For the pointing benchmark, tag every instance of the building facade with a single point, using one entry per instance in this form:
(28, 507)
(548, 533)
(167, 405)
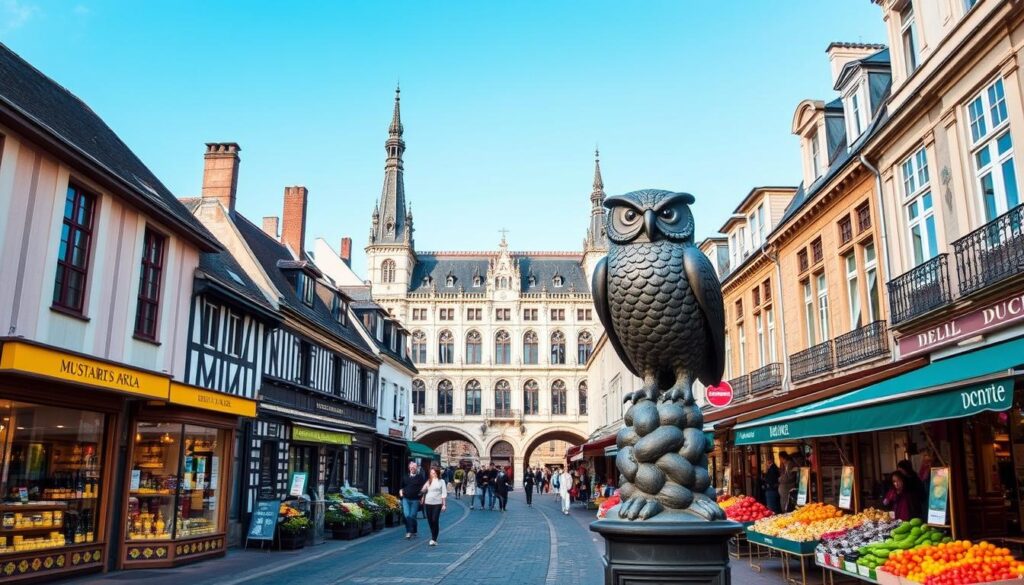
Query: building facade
(500, 338)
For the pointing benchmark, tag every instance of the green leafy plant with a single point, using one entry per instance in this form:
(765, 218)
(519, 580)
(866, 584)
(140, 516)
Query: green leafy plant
(295, 525)
(339, 516)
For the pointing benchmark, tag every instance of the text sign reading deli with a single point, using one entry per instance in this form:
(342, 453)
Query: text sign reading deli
(995, 316)
(43, 361)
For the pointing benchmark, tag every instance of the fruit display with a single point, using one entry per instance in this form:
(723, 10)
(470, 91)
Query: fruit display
(954, 562)
(806, 524)
(846, 542)
(724, 502)
(746, 509)
(906, 536)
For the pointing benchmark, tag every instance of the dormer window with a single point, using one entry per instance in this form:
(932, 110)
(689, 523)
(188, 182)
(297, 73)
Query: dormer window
(816, 166)
(908, 35)
(450, 281)
(426, 281)
(339, 309)
(533, 280)
(477, 281)
(557, 281)
(308, 286)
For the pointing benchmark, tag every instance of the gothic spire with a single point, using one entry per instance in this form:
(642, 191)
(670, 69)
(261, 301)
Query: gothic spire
(596, 237)
(598, 181)
(394, 220)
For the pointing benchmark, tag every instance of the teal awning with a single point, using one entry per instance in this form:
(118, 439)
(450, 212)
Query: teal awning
(421, 450)
(955, 387)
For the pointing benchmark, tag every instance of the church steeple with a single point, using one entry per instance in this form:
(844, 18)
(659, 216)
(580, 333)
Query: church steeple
(392, 221)
(596, 238)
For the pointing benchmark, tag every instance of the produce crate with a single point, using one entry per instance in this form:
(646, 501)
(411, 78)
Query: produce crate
(884, 578)
(783, 544)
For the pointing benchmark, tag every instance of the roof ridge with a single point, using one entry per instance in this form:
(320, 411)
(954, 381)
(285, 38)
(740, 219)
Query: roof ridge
(50, 79)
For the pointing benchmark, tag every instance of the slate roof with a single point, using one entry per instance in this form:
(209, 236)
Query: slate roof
(543, 268)
(54, 110)
(268, 252)
(360, 308)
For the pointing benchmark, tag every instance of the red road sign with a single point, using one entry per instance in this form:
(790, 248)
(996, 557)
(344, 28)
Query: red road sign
(720, 395)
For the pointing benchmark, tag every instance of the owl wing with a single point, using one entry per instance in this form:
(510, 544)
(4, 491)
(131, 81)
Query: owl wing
(599, 286)
(706, 287)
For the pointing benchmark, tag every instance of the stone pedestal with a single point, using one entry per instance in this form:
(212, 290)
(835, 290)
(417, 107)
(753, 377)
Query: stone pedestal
(669, 549)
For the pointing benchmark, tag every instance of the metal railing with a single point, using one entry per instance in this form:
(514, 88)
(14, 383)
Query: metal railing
(920, 290)
(863, 343)
(813, 361)
(768, 378)
(991, 253)
(503, 413)
(740, 387)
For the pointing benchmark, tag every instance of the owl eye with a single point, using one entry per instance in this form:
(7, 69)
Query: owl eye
(669, 215)
(630, 215)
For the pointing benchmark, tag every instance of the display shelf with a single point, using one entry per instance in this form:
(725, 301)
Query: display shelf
(783, 544)
(31, 529)
(151, 494)
(853, 575)
(41, 505)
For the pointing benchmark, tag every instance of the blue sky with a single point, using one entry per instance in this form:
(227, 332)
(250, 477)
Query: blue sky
(502, 102)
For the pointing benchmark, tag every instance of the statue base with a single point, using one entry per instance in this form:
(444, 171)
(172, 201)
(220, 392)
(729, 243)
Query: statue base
(669, 549)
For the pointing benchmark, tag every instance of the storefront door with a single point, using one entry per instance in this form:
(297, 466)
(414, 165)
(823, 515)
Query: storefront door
(304, 458)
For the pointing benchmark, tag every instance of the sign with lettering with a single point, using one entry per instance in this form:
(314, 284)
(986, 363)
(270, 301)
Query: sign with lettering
(994, 316)
(208, 400)
(397, 433)
(298, 483)
(26, 358)
(311, 435)
(263, 522)
(720, 395)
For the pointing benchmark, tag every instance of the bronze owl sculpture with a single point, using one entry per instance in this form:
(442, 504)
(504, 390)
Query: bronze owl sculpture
(660, 302)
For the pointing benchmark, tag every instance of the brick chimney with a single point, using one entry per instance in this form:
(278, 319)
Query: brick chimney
(220, 172)
(346, 251)
(270, 225)
(293, 221)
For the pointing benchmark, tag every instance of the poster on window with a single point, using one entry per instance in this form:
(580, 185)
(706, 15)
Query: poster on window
(938, 496)
(803, 486)
(846, 488)
(298, 484)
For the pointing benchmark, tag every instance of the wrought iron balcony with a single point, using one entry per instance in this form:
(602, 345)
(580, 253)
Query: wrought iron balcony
(503, 414)
(920, 290)
(991, 253)
(740, 388)
(861, 344)
(813, 361)
(766, 379)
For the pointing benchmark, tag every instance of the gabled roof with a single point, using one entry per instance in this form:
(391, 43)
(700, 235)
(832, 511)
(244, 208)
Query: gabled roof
(360, 308)
(44, 107)
(873, 62)
(268, 252)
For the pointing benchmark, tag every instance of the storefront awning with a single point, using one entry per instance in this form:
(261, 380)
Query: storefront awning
(597, 446)
(955, 387)
(421, 450)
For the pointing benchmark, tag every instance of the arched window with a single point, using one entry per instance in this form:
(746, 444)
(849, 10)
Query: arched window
(445, 397)
(502, 282)
(419, 347)
(557, 281)
(450, 281)
(583, 397)
(558, 398)
(531, 397)
(387, 271)
(557, 348)
(502, 399)
(473, 398)
(530, 348)
(477, 281)
(502, 348)
(419, 396)
(584, 347)
(473, 347)
(532, 280)
(445, 347)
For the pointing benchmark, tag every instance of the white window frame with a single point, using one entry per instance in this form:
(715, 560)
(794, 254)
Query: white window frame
(743, 351)
(816, 166)
(728, 358)
(989, 126)
(855, 104)
(908, 32)
(853, 290)
(770, 318)
(759, 328)
(919, 207)
(871, 283)
(821, 284)
(809, 330)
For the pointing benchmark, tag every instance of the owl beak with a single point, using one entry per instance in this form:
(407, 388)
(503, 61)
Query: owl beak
(650, 225)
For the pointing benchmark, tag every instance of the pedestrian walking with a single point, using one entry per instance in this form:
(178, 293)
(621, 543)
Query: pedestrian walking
(502, 485)
(412, 485)
(538, 479)
(563, 481)
(529, 480)
(771, 487)
(435, 498)
(471, 486)
(486, 487)
(459, 476)
(787, 480)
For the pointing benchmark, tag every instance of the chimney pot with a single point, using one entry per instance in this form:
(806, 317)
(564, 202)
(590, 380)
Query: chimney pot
(293, 220)
(346, 251)
(220, 173)
(270, 225)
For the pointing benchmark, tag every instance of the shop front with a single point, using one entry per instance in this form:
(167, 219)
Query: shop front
(393, 455)
(60, 413)
(178, 483)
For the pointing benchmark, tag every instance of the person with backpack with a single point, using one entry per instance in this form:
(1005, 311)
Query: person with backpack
(459, 475)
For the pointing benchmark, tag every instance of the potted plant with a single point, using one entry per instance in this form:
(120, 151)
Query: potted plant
(392, 509)
(292, 532)
(374, 512)
(342, 523)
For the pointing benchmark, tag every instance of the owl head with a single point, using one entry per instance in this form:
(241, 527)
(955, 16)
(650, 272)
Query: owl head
(649, 215)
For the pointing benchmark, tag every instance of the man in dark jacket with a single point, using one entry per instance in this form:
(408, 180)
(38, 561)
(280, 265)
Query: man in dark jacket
(485, 483)
(412, 485)
(501, 488)
(529, 479)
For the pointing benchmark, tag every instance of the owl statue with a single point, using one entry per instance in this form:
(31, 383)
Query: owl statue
(660, 302)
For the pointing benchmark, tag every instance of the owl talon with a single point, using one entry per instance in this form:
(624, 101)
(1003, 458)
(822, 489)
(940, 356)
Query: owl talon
(706, 508)
(631, 509)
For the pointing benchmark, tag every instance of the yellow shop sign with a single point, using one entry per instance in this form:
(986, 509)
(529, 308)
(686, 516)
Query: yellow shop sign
(311, 435)
(208, 400)
(27, 358)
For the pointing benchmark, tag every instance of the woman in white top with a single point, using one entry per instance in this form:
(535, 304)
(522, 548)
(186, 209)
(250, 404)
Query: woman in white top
(471, 486)
(435, 494)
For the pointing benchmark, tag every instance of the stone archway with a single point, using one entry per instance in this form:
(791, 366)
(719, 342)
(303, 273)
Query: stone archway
(552, 434)
(438, 437)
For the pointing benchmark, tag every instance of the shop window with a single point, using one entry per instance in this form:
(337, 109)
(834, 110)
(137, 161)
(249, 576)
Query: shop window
(53, 470)
(175, 486)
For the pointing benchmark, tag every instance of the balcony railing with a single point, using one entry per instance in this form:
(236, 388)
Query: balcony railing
(504, 414)
(740, 387)
(766, 379)
(861, 344)
(813, 361)
(991, 253)
(920, 290)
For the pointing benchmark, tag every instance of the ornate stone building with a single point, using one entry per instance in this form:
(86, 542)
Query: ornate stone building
(500, 338)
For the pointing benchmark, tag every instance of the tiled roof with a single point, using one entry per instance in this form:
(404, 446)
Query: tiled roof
(268, 252)
(542, 267)
(54, 110)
